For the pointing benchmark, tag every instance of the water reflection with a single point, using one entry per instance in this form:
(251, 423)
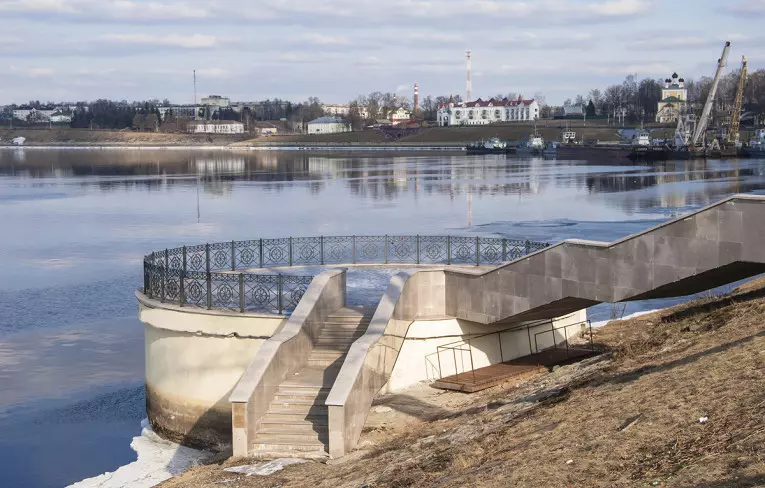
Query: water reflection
(385, 178)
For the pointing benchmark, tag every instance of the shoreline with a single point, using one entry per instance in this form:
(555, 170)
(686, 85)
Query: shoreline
(285, 147)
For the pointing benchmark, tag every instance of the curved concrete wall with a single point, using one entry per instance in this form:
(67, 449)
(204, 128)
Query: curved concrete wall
(193, 360)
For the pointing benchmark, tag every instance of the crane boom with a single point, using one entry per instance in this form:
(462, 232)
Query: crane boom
(735, 115)
(701, 126)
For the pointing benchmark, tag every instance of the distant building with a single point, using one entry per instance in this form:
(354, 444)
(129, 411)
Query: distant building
(215, 127)
(59, 117)
(400, 115)
(674, 96)
(328, 125)
(216, 101)
(482, 112)
(188, 111)
(43, 115)
(265, 129)
(343, 109)
(572, 111)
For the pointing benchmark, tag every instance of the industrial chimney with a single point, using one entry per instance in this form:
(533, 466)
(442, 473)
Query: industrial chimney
(416, 97)
(469, 85)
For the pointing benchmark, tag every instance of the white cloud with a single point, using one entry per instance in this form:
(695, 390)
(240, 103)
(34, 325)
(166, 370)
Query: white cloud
(746, 8)
(193, 41)
(33, 72)
(325, 40)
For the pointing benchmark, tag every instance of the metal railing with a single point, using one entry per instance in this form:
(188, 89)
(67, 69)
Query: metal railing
(206, 275)
(460, 345)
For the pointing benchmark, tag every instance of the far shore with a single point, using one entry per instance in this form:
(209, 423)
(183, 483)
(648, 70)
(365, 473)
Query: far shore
(430, 139)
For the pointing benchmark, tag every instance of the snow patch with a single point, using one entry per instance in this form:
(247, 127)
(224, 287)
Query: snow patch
(601, 323)
(158, 460)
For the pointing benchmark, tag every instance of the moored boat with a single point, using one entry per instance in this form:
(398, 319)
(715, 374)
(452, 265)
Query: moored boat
(493, 145)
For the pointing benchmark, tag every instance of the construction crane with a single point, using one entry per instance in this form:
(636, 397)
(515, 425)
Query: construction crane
(701, 125)
(735, 116)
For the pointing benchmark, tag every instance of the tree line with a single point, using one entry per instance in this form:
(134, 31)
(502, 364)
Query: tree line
(639, 99)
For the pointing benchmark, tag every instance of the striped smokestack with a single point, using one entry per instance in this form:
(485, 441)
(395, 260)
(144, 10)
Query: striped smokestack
(416, 97)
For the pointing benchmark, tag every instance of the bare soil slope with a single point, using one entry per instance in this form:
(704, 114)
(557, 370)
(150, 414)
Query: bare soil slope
(627, 418)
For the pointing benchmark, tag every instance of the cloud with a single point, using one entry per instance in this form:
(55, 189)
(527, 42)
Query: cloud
(316, 38)
(194, 41)
(123, 10)
(543, 40)
(746, 8)
(33, 72)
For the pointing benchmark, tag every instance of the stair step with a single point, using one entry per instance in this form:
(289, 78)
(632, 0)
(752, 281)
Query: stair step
(294, 416)
(309, 410)
(292, 429)
(296, 403)
(268, 452)
(319, 420)
(289, 438)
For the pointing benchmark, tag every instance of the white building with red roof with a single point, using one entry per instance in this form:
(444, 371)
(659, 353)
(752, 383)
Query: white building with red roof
(480, 112)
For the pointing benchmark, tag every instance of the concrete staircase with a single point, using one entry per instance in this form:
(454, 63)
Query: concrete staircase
(295, 424)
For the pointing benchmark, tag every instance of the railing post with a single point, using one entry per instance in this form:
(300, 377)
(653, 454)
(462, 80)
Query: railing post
(183, 279)
(504, 249)
(418, 248)
(456, 373)
(528, 247)
(164, 276)
(321, 247)
(241, 292)
(290, 244)
(448, 250)
(501, 356)
(146, 275)
(386, 248)
(438, 356)
(209, 277)
(261, 253)
(233, 256)
(279, 290)
(354, 249)
(477, 251)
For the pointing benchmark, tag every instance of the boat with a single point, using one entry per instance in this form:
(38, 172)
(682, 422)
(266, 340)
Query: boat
(643, 149)
(493, 145)
(535, 146)
(756, 146)
(550, 150)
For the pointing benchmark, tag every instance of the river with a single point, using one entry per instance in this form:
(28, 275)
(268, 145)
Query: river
(76, 223)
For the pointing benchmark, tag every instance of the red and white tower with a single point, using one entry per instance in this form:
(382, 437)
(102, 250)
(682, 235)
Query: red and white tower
(469, 85)
(416, 97)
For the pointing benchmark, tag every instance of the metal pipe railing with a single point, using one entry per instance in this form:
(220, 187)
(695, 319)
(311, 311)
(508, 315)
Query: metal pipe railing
(457, 345)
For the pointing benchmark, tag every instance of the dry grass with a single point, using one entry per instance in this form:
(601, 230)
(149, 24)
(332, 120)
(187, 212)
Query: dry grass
(66, 136)
(629, 417)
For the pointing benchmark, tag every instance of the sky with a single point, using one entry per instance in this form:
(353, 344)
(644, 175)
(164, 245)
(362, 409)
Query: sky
(338, 49)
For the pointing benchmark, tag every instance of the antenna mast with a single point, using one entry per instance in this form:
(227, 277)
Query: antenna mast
(195, 94)
(469, 85)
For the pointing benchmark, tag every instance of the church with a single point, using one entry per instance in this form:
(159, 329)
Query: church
(481, 112)
(674, 96)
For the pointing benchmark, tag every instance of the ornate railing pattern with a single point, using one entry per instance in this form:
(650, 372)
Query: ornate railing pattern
(206, 275)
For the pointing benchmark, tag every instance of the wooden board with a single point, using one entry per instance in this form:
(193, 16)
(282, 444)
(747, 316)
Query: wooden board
(488, 376)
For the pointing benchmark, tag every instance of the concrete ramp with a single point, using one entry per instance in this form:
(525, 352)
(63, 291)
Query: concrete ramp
(718, 244)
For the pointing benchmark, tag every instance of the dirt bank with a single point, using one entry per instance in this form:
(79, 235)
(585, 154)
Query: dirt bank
(628, 418)
(550, 129)
(85, 137)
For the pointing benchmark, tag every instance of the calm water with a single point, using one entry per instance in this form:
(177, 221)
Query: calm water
(76, 223)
